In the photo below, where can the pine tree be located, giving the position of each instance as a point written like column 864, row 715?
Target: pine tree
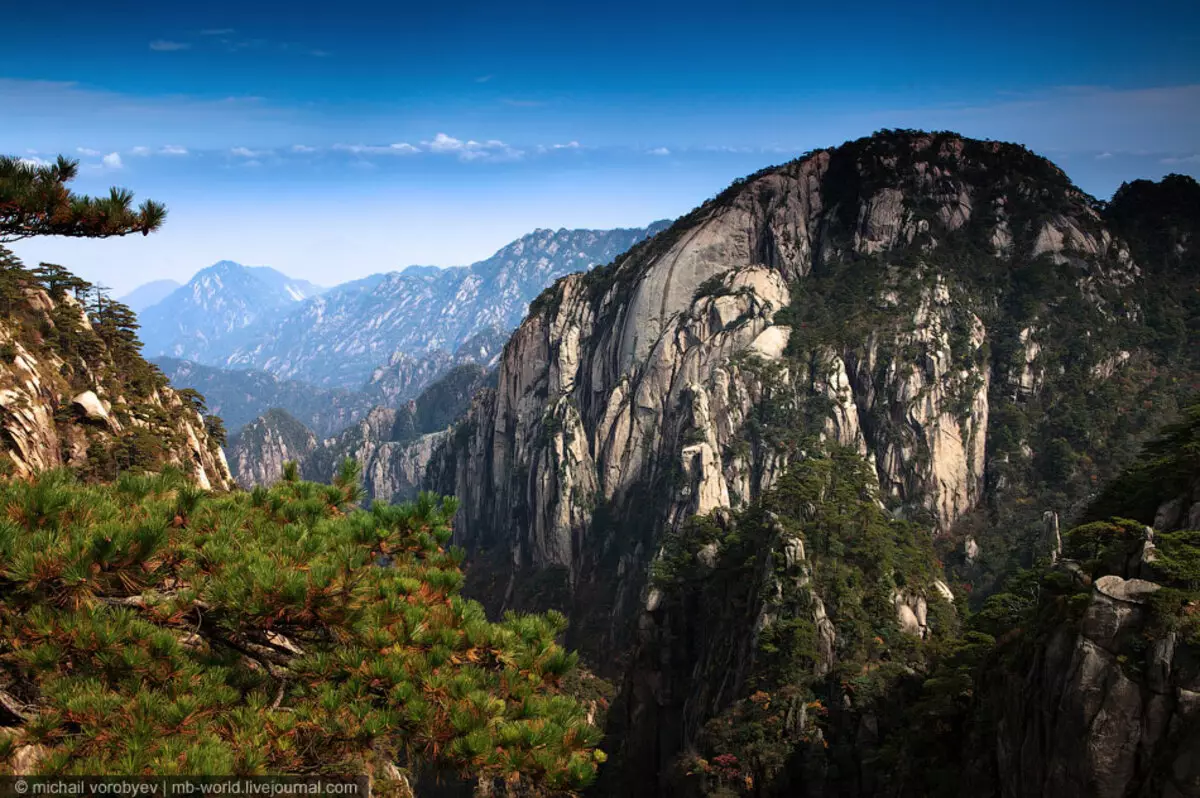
column 57, row 280
column 35, row 201
column 150, row 627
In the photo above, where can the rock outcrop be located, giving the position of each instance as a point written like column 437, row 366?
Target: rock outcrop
column 70, row 397
column 1108, row 706
column 393, row 446
column 392, row 455
column 259, row 452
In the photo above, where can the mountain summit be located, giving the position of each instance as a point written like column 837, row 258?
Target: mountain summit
column 211, row 313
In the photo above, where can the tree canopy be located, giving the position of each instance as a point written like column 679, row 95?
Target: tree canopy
column 149, row 627
column 35, row 201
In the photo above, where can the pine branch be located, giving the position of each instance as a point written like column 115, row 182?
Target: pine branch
column 15, row 707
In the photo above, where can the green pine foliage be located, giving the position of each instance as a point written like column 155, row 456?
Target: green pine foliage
column 35, row 201
column 147, row 627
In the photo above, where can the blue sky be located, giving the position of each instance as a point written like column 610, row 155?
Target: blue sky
column 334, row 140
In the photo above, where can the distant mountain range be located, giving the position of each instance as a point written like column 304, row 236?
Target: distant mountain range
column 253, row 340
column 210, row 315
column 240, row 397
column 239, row 317
column 340, row 337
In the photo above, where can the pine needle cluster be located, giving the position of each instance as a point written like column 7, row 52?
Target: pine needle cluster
column 35, row 201
column 147, row 627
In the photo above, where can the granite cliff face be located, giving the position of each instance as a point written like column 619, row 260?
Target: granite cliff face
column 687, row 371
column 954, row 311
column 385, row 443
column 75, row 394
column 404, row 376
column 1118, row 727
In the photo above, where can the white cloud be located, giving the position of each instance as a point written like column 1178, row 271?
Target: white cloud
column 173, row 149
column 166, row 46
column 471, row 150
column 303, row 148
column 658, row 151
column 87, row 151
column 1193, row 158
column 542, row 149
column 399, row 148
column 483, row 78
column 32, row 163
column 443, row 143
column 1104, row 156
column 246, row 152
column 140, row 151
column 112, row 160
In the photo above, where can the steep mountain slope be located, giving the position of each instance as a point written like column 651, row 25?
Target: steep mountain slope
column 340, row 337
column 391, row 444
column 1078, row 680
column 1081, row 678
column 258, row 452
column 148, row 294
column 76, row 393
column 405, row 376
column 240, row 396
column 208, row 318
column 952, row 311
